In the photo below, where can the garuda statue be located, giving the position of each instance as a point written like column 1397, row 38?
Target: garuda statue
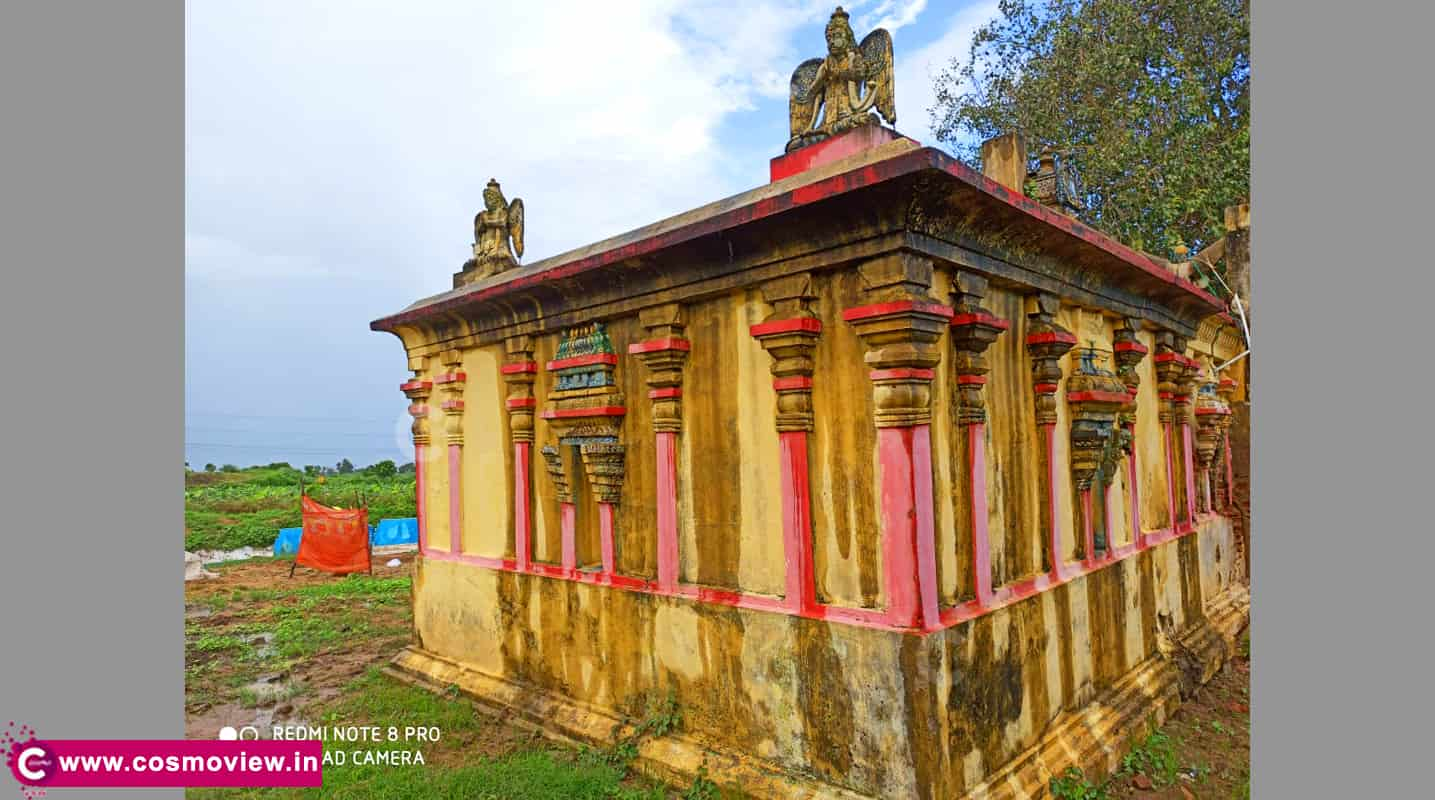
column 837, row 93
column 493, row 228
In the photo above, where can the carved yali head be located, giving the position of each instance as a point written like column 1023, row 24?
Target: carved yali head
column 840, row 37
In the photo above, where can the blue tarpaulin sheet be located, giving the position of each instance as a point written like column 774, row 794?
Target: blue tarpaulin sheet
column 396, row 531
column 388, row 531
column 287, row 543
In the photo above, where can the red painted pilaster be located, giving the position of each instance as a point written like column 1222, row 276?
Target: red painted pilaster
column 455, row 500
column 1088, row 529
column 908, row 540
column 1170, row 473
column 568, row 535
column 1059, row 571
column 789, row 334
column 420, row 500
column 801, row 592
column 1188, row 458
column 1134, row 483
column 1230, row 476
column 522, row 505
column 605, row 537
column 667, row 510
column 981, row 540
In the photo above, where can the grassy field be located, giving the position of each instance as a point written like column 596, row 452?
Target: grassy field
column 246, row 508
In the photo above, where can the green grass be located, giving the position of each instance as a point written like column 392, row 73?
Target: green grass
column 529, row 774
column 1155, row 756
column 229, row 510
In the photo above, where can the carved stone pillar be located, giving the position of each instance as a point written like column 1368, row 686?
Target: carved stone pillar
column 557, row 471
column 1170, row 361
column 417, row 389
column 451, row 383
column 519, row 372
column 585, row 408
column 901, row 327
column 789, row 334
column 1184, row 403
column 604, row 464
column 1046, row 342
column 1128, row 352
column 1095, row 397
column 1226, row 388
column 665, row 353
column 1212, row 415
column 974, row 328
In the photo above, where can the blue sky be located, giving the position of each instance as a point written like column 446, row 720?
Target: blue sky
column 334, row 162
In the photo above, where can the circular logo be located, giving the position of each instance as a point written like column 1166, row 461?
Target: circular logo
column 34, row 763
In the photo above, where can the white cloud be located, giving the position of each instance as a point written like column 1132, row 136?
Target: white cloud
column 357, row 139
column 890, row 14
column 917, row 70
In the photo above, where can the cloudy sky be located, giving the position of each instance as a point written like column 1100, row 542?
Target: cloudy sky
column 336, row 153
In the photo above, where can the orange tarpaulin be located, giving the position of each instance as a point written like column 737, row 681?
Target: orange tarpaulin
column 335, row 539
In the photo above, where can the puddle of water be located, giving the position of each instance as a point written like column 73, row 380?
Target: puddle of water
column 264, row 645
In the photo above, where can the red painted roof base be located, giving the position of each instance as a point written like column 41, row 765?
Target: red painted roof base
column 831, row 149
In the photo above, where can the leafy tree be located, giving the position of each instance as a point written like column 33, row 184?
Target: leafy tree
column 383, row 469
column 313, row 469
column 1149, row 99
column 209, row 467
column 344, row 467
column 229, row 468
column 407, row 468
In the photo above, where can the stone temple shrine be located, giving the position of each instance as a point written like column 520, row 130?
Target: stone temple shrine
column 899, row 482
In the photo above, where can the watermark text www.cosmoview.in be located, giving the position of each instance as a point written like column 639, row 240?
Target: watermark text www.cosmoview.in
column 166, row 763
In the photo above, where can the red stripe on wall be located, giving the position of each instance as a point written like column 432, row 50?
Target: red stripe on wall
column 897, row 307
column 583, row 361
column 669, row 391
column 792, row 383
column 901, row 373
column 1046, row 337
column 519, row 367
column 521, row 402
column 809, row 324
column 596, row 411
column 980, row 319
column 1098, row 397
column 653, row 345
